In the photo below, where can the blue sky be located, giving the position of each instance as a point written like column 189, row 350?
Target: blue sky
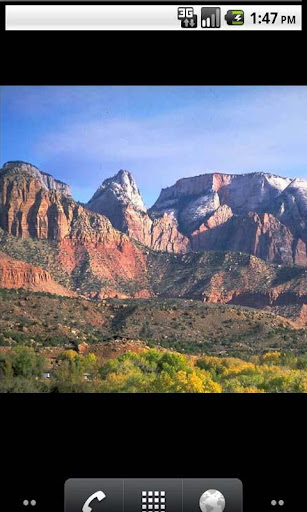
column 83, row 135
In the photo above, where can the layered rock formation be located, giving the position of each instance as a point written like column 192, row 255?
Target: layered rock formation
column 192, row 200
column 27, row 209
column 290, row 208
column 119, row 199
column 258, row 213
column 259, row 234
column 18, row 274
column 88, row 245
column 237, row 215
column 32, row 202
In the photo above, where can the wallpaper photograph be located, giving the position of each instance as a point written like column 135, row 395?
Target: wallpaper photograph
column 153, row 239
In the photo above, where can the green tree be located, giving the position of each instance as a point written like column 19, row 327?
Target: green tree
column 26, row 363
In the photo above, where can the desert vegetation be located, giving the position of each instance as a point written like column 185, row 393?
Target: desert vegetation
column 188, row 326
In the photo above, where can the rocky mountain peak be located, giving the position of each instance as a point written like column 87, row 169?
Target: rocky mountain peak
column 119, row 199
column 19, row 164
column 48, row 182
column 120, row 188
column 26, row 168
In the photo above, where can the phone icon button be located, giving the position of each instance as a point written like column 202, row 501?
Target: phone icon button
column 93, row 494
column 99, row 495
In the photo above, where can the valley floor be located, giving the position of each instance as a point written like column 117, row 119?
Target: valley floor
column 50, row 343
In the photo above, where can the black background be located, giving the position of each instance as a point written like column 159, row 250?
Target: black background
column 47, row 439
column 259, row 438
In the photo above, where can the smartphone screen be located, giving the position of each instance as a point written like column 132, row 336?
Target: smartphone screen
column 153, row 256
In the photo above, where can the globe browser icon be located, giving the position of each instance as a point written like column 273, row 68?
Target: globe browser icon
column 212, row 501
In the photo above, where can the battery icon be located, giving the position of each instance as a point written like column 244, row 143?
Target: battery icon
column 234, row 17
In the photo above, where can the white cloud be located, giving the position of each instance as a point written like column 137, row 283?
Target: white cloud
column 261, row 127
column 229, row 129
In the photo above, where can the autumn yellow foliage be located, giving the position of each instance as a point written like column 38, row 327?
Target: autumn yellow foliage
column 154, row 371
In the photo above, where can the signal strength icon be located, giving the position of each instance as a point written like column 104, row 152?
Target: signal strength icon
column 210, row 17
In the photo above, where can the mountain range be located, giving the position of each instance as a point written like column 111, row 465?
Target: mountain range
column 229, row 238
column 258, row 213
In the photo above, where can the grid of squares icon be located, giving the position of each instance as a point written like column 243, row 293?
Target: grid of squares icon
column 153, row 501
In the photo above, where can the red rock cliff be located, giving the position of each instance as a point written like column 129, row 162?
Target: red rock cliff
column 18, row 274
